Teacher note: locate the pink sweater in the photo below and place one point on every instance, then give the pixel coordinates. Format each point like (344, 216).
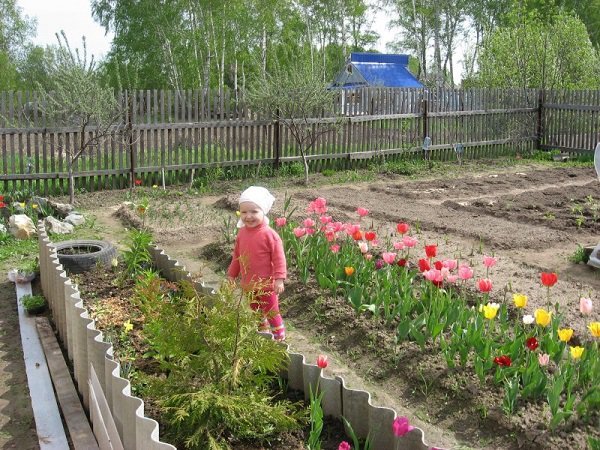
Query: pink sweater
(258, 256)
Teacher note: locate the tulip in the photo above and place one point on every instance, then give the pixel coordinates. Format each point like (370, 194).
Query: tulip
(594, 328)
(322, 362)
(402, 262)
(370, 235)
(299, 232)
(344, 446)
(465, 272)
(585, 305)
(317, 206)
(398, 245)
(349, 271)
(363, 246)
(489, 261)
(576, 352)
(503, 360)
(334, 248)
(409, 241)
(138, 182)
(379, 264)
(401, 426)
(484, 285)
(542, 317)
(310, 231)
(402, 228)
(543, 359)
(325, 219)
(424, 265)
(490, 310)
(532, 343)
(450, 264)
(565, 334)
(280, 222)
(431, 250)
(528, 319)
(549, 279)
(357, 235)
(520, 300)
(438, 265)
(362, 212)
(308, 223)
(368, 256)
(389, 257)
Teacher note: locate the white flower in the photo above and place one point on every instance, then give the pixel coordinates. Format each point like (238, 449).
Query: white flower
(528, 319)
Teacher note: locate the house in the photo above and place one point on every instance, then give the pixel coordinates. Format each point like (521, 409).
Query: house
(376, 70)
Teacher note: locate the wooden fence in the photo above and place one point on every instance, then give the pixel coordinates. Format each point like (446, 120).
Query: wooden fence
(178, 135)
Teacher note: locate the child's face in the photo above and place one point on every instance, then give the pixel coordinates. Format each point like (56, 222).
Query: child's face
(251, 215)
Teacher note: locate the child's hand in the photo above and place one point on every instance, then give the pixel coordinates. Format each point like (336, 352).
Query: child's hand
(279, 288)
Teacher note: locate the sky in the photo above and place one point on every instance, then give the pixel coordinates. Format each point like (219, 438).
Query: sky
(75, 18)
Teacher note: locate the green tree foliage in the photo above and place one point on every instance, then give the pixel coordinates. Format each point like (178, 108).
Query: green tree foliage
(535, 54)
(15, 32)
(293, 96)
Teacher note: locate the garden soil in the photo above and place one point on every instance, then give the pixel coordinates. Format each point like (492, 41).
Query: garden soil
(531, 217)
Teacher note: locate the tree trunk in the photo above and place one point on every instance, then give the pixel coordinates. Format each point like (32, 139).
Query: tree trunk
(71, 183)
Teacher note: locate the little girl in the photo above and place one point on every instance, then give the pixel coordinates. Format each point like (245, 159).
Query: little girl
(259, 259)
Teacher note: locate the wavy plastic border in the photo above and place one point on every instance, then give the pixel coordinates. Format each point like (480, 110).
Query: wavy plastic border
(85, 348)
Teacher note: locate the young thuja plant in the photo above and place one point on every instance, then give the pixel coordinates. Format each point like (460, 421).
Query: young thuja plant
(220, 371)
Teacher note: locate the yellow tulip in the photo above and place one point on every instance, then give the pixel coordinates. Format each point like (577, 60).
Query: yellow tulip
(349, 271)
(520, 300)
(595, 329)
(127, 326)
(565, 334)
(237, 213)
(490, 310)
(542, 317)
(576, 352)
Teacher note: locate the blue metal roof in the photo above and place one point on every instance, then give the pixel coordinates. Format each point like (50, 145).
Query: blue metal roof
(376, 69)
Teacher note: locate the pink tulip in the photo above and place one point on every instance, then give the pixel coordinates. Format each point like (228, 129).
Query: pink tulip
(362, 212)
(401, 426)
(322, 362)
(489, 261)
(543, 359)
(409, 241)
(330, 235)
(363, 246)
(344, 446)
(325, 219)
(484, 285)
(434, 275)
(399, 245)
(308, 223)
(352, 228)
(388, 257)
(299, 232)
(585, 305)
(450, 264)
(465, 272)
(310, 231)
(368, 257)
(337, 226)
(317, 206)
(452, 278)
(280, 222)
(334, 248)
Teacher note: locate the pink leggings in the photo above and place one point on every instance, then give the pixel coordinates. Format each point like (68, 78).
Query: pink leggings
(269, 305)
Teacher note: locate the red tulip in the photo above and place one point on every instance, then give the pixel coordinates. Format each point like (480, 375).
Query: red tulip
(138, 182)
(438, 265)
(402, 228)
(484, 285)
(402, 262)
(424, 265)
(431, 250)
(2, 205)
(549, 279)
(357, 235)
(532, 343)
(322, 361)
(503, 360)
(370, 235)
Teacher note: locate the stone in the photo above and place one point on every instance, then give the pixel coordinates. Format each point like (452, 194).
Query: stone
(54, 225)
(21, 226)
(62, 209)
(2, 228)
(75, 219)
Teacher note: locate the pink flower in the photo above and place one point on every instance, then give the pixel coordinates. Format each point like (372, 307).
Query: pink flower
(409, 241)
(489, 261)
(363, 246)
(362, 212)
(317, 206)
(484, 285)
(337, 226)
(299, 232)
(450, 264)
(352, 228)
(585, 305)
(325, 219)
(368, 257)
(388, 257)
(330, 235)
(280, 222)
(398, 245)
(344, 446)
(401, 426)
(308, 223)
(543, 359)
(310, 231)
(334, 248)
(465, 272)
(322, 361)
(434, 275)
(452, 278)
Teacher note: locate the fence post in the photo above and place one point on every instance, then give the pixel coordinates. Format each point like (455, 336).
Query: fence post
(540, 120)
(424, 107)
(277, 140)
(130, 139)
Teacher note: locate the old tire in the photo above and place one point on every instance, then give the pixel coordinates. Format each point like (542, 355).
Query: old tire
(82, 255)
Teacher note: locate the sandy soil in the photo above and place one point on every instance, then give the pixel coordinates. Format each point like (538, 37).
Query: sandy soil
(526, 216)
